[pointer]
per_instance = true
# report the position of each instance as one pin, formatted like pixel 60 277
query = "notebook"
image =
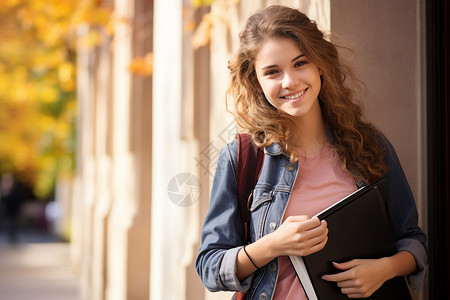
pixel 358 227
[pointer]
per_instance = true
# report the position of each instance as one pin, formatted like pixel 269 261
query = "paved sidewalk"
pixel 37 271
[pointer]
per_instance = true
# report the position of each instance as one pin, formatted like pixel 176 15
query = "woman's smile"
pixel 294 96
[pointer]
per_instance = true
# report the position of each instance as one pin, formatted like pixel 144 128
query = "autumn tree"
pixel 38 86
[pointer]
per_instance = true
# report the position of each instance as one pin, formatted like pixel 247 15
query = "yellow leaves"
pixel 18 90
pixel 17 135
pixel 66 72
pixel 20 93
pixel 202 34
pixel 189 26
pixel 45 20
pixel 46 90
pixel 66 76
pixel 22 155
pixel 8 4
pixel 100 20
pixel 48 59
pixel 92 39
pixel 38 81
pixel 198 3
pixel 56 21
pixel 58 128
pixel 89 12
pixel 142 65
pixel 44 183
pixel 45 123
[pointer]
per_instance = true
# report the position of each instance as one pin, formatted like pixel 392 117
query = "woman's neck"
pixel 311 133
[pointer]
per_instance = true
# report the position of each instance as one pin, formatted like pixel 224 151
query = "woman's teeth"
pixel 295 96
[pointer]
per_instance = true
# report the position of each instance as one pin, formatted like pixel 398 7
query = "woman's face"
pixel 290 82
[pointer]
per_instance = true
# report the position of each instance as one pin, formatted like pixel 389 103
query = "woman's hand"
pixel 361 277
pixel 299 236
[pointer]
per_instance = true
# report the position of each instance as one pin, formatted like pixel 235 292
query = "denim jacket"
pixel 222 229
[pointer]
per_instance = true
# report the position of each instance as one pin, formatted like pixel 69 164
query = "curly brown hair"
pixel 358 143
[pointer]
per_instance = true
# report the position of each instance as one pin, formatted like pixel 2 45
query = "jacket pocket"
pixel 260 196
pixel 262 200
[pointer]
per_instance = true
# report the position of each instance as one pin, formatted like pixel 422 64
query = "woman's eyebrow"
pixel 274 66
pixel 269 67
pixel 301 55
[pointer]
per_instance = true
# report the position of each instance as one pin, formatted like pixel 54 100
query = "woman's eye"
pixel 271 72
pixel 300 63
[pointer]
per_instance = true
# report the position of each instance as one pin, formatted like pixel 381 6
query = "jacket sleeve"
pixel 222 229
pixel 404 218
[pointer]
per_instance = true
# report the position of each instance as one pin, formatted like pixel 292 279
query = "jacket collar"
pixel 275 148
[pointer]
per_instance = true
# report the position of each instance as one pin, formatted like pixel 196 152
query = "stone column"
pixel 138 252
pixel 123 161
pixel 103 169
pixel 84 188
pixel 174 225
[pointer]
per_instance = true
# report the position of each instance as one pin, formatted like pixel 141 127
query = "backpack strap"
pixel 249 164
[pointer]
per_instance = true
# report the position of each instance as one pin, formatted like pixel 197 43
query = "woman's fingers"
pixel 302 223
pixel 314 248
pixel 309 231
pixel 311 237
pixel 299 218
pixel 359 278
pixel 299 235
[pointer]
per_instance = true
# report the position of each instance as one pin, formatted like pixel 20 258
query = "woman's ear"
pixel 320 72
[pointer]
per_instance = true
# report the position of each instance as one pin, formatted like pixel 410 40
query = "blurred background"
pixel 112 116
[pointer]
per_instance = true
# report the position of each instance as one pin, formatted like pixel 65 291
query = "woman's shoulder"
pixel 232 147
pixel 390 154
pixel 229 152
pixel 383 140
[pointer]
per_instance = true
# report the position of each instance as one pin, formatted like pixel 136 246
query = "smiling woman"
pixel 290 95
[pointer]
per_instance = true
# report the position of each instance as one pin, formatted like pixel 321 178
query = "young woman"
pixel 290 95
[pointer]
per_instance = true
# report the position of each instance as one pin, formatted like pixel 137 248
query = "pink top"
pixel 320 182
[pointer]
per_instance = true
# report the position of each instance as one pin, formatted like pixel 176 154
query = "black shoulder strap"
pixel 249 164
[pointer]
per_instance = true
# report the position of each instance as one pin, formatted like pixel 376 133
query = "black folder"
pixel 358 228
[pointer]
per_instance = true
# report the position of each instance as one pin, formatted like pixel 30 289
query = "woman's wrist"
pixel 252 257
pixel 402 263
pixel 268 243
pixel 388 264
pixel 260 251
pixel 249 257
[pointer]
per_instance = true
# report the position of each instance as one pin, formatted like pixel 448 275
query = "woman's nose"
pixel 289 81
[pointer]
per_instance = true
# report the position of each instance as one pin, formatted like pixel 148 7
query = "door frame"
pixel 438 129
